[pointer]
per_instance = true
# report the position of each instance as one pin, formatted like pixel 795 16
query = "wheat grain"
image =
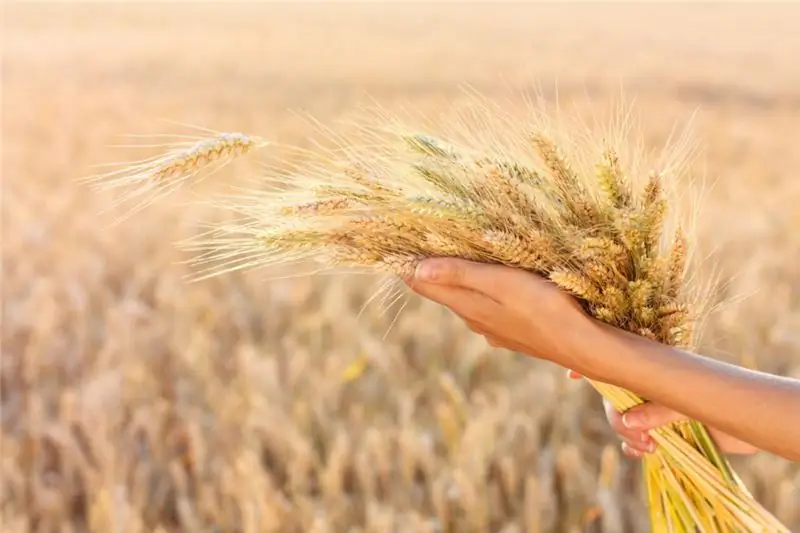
pixel 153 178
pixel 534 252
pixel 328 206
pixel 183 160
pixel 612 181
pixel 567 218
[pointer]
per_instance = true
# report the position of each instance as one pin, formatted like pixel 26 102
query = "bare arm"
pixel 758 408
pixel 522 312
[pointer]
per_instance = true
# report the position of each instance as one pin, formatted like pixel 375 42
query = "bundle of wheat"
pixel 590 211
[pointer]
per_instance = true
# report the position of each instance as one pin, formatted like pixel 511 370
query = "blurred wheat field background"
pixel 135 401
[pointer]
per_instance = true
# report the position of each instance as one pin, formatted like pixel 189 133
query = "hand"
pixel 512 308
pixel 634 426
pixel 523 312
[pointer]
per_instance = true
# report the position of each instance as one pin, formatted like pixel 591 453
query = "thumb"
pixel 650 416
pixel 455 272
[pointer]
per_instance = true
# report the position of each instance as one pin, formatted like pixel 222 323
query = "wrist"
pixel 617 357
pixel 604 353
pixel 584 348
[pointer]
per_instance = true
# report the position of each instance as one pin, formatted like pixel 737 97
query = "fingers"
pixel 631 452
pixel 649 416
pixel 635 442
pixel 454 272
pixel 493 340
pixel 634 426
pixel 466 303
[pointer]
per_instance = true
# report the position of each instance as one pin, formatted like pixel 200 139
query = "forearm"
pixel 761 409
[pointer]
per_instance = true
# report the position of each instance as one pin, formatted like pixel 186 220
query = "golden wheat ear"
pixel 185 161
pixel 540 198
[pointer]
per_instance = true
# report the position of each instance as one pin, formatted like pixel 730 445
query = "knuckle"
pixel 636 444
pixel 647 414
pixel 652 415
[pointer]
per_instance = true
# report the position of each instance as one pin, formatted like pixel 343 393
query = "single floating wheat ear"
pixel 189 160
pixel 532 195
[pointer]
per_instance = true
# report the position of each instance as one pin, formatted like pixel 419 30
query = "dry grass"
pixel 130 396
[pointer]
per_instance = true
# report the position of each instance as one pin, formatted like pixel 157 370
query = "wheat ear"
pixel 527 195
pixel 150 179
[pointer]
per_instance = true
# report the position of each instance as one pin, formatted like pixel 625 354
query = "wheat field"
pixel 134 400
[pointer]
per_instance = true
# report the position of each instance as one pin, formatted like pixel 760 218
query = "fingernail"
pixel 630 451
pixel 632 420
pixel 426 272
pixel 651 447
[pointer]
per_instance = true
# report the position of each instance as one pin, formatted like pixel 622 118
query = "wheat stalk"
pixel 187 160
pixel 580 208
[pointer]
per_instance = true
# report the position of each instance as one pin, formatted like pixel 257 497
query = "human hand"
pixel 512 308
pixel 635 425
pixel 517 310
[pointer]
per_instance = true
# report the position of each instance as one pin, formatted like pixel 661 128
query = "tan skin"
pixel 519 311
pixel 636 442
